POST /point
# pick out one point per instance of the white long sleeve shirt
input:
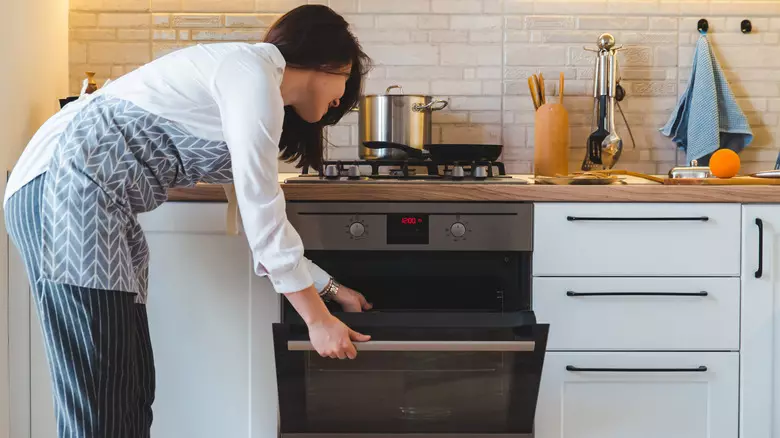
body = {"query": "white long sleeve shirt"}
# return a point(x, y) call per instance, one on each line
point(222, 92)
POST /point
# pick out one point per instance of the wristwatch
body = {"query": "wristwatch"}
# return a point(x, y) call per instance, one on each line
point(331, 290)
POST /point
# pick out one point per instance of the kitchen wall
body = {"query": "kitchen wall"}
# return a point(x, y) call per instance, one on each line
point(479, 53)
point(33, 75)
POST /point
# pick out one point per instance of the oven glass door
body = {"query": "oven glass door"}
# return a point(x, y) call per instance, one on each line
point(421, 373)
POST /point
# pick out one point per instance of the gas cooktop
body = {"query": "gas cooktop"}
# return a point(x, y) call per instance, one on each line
point(407, 171)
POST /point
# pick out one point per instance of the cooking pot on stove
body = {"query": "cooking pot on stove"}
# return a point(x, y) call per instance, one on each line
point(395, 118)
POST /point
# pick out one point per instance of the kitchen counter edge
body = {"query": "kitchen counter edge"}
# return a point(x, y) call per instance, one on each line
point(747, 194)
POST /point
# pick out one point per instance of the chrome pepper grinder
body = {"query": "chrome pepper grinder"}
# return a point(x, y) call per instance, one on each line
point(604, 144)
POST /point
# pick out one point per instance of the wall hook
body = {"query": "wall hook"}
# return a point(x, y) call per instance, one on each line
point(703, 26)
point(746, 26)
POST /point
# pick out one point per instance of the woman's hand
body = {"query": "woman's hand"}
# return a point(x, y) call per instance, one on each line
point(351, 300)
point(332, 338)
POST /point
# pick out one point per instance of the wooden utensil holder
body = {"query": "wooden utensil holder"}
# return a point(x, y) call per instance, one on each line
point(551, 140)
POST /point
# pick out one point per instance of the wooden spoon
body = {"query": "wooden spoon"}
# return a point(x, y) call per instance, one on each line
point(560, 89)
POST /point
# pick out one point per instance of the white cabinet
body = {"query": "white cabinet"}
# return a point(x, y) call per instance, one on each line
point(636, 239)
point(680, 314)
point(638, 395)
point(210, 321)
point(760, 350)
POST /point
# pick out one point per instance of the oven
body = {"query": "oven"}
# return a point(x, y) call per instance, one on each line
point(455, 349)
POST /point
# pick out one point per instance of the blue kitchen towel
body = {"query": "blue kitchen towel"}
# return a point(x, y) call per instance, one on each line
point(707, 117)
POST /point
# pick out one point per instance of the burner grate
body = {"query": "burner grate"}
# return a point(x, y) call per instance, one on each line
point(405, 169)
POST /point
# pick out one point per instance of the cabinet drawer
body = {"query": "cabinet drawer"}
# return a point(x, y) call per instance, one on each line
point(636, 239)
point(638, 395)
point(639, 313)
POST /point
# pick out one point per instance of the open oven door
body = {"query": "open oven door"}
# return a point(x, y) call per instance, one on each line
point(426, 374)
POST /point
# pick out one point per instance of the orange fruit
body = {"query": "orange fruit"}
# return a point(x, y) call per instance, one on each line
point(724, 163)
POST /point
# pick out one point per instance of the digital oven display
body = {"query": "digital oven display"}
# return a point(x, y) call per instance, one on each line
point(407, 229)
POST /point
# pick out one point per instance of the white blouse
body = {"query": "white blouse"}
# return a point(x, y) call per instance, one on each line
point(222, 92)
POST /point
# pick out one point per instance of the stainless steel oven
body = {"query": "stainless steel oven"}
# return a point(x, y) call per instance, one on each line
point(455, 348)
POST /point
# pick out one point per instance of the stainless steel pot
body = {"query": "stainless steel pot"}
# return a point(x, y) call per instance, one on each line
point(398, 118)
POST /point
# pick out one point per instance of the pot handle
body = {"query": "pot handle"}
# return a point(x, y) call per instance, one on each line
point(387, 91)
point(436, 105)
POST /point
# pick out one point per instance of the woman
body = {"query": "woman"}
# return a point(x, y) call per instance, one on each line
point(221, 113)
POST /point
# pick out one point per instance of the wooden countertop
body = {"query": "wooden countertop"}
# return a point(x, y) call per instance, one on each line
point(636, 190)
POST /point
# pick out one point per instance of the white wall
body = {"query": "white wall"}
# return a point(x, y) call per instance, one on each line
point(33, 75)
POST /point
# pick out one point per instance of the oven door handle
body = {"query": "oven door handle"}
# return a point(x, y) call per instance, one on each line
point(428, 346)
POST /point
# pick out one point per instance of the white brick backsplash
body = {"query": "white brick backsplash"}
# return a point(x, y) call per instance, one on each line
point(534, 55)
point(486, 36)
point(379, 86)
point(612, 23)
point(449, 117)
point(459, 54)
point(383, 36)
point(339, 135)
point(490, 134)
point(410, 54)
point(124, 20)
point(227, 35)
point(394, 6)
point(571, 7)
point(93, 34)
point(396, 22)
point(434, 22)
point(663, 23)
point(514, 136)
point(161, 20)
point(109, 5)
point(518, 36)
point(166, 5)
point(419, 36)
point(132, 34)
point(636, 56)
point(250, 20)
point(491, 88)
point(276, 5)
point(489, 72)
point(344, 6)
point(162, 49)
point(644, 74)
point(540, 22)
point(456, 87)
point(80, 19)
point(425, 72)
point(218, 5)
point(485, 117)
point(478, 55)
point(360, 21)
point(199, 20)
point(456, 6)
point(119, 53)
point(476, 103)
point(478, 22)
point(449, 36)
point(163, 34)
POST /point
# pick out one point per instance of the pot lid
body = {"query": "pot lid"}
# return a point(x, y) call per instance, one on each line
point(387, 93)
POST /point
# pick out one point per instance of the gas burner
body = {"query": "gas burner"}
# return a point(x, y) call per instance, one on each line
point(364, 171)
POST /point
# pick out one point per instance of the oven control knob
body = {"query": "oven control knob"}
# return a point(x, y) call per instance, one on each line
point(353, 172)
point(458, 229)
point(357, 229)
point(480, 172)
point(458, 173)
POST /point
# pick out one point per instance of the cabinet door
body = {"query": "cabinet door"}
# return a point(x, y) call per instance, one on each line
point(760, 349)
point(638, 395)
point(210, 320)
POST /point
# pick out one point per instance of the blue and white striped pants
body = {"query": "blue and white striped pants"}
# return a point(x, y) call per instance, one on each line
point(97, 341)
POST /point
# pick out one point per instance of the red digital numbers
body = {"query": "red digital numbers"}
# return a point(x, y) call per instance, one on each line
point(410, 221)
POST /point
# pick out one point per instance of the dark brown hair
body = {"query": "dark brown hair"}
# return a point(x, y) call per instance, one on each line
point(314, 37)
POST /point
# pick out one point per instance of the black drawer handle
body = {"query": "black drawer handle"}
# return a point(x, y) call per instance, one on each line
point(644, 294)
point(760, 270)
point(699, 369)
point(639, 219)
